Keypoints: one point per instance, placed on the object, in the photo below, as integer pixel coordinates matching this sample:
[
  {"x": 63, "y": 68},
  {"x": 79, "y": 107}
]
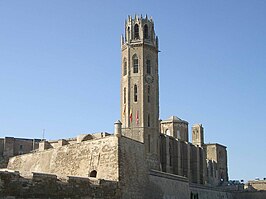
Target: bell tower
[{"x": 140, "y": 85}]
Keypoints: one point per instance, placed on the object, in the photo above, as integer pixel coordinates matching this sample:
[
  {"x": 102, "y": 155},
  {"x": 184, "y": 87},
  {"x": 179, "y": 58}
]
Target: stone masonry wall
[
  {"x": 250, "y": 195},
  {"x": 259, "y": 185},
  {"x": 12, "y": 185},
  {"x": 204, "y": 192},
  {"x": 170, "y": 186},
  {"x": 133, "y": 169},
  {"x": 78, "y": 159}
]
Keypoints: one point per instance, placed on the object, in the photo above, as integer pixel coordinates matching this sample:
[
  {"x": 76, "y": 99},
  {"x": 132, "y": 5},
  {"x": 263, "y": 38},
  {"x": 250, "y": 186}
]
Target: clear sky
[{"x": 60, "y": 69}]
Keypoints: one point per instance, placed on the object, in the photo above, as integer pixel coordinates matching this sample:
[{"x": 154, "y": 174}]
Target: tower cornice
[{"x": 140, "y": 44}]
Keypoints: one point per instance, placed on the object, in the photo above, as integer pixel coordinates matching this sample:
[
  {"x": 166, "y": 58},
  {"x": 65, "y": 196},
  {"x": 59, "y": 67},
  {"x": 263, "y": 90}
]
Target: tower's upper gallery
[{"x": 139, "y": 30}]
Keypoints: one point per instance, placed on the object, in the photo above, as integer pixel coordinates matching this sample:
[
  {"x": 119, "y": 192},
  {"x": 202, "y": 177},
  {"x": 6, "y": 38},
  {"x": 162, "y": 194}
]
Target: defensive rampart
[
  {"x": 99, "y": 157},
  {"x": 41, "y": 185}
]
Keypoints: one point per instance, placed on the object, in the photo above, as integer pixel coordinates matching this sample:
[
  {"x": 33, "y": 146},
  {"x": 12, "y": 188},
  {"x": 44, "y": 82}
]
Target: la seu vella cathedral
[
  {"x": 166, "y": 142},
  {"x": 145, "y": 157}
]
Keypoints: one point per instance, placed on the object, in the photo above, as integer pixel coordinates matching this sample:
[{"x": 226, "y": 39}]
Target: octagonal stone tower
[{"x": 140, "y": 85}]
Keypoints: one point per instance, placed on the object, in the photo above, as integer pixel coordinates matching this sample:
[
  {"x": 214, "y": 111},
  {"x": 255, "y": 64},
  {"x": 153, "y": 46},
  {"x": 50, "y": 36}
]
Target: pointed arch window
[
  {"x": 135, "y": 93},
  {"x": 125, "y": 67},
  {"x": 148, "y": 66},
  {"x": 136, "y": 31},
  {"x": 146, "y": 35},
  {"x": 135, "y": 64}
]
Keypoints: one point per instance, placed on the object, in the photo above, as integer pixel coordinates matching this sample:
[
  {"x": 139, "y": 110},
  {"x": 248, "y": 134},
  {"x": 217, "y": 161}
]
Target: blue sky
[{"x": 60, "y": 69}]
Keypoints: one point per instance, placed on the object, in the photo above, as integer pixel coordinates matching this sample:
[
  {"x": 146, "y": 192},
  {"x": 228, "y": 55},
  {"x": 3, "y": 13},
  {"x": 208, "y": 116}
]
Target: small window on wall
[
  {"x": 135, "y": 64},
  {"x": 149, "y": 120},
  {"x": 135, "y": 93},
  {"x": 167, "y": 132},
  {"x": 136, "y": 31},
  {"x": 125, "y": 68},
  {"x": 93, "y": 174}
]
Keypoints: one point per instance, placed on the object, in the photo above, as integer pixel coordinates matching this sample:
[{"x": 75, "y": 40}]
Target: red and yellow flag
[
  {"x": 137, "y": 117},
  {"x": 130, "y": 115}
]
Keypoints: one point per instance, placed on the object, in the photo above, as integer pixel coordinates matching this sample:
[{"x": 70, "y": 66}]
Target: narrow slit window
[
  {"x": 149, "y": 90},
  {"x": 148, "y": 65},
  {"x": 125, "y": 95},
  {"x": 135, "y": 93},
  {"x": 149, "y": 122}
]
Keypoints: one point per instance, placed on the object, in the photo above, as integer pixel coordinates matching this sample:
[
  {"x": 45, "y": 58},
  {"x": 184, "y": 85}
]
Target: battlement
[{"x": 50, "y": 144}]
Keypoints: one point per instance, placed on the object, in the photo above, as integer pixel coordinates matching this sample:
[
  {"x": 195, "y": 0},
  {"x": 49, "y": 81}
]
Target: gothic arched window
[
  {"x": 135, "y": 93},
  {"x": 135, "y": 64},
  {"x": 146, "y": 35},
  {"x": 125, "y": 67},
  {"x": 136, "y": 31}
]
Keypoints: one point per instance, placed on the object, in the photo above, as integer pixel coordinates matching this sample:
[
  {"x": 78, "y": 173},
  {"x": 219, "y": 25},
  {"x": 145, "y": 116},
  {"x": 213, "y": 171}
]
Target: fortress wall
[
  {"x": 132, "y": 168},
  {"x": 250, "y": 195},
  {"x": 9, "y": 146},
  {"x": 171, "y": 186},
  {"x": 76, "y": 160},
  {"x": 208, "y": 192},
  {"x": 12, "y": 185},
  {"x": 136, "y": 181},
  {"x": 22, "y": 146}
]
